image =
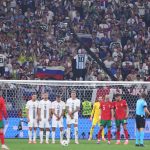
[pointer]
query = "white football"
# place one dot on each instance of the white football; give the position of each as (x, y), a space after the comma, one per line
(64, 143)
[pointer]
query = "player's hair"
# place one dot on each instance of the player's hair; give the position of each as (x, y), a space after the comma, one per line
(143, 95)
(117, 95)
(73, 91)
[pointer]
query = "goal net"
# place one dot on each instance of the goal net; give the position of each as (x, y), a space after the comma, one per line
(17, 93)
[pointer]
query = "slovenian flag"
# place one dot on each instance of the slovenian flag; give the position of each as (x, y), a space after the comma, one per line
(56, 73)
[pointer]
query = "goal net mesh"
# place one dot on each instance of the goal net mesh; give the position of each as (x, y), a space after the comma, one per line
(17, 93)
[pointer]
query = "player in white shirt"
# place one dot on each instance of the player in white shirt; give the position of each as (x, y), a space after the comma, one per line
(44, 114)
(72, 107)
(58, 109)
(32, 116)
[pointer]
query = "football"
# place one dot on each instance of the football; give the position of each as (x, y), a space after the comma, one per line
(64, 143)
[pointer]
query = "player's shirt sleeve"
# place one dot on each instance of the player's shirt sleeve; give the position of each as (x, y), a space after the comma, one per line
(50, 105)
(27, 105)
(40, 105)
(63, 107)
(67, 103)
(78, 103)
(125, 103)
(93, 110)
(144, 104)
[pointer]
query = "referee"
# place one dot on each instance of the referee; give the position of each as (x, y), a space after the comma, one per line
(141, 109)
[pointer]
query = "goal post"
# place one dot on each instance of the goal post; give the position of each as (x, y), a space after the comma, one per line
(18, 92)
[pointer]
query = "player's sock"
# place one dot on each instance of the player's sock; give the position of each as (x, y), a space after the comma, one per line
(30, 135)
(68, 134)
(2, 138)
(103, 136)
(109, 135)
(137, 137)
(34, 135)
(53, 136)
(141, 137)
(47, 136)
(126, 134)
(41, 136)
(61, 136)
(76, 133)
(91, 132)
(99, 134)
(118, 135)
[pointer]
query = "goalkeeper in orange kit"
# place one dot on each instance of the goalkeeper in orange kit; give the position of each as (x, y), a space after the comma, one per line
(95, 116)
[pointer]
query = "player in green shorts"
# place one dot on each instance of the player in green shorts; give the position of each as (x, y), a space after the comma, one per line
(121, 115)
(106, 117)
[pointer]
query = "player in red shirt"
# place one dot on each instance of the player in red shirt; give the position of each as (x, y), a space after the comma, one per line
(121, 115)
(3, 113)
(106, 117)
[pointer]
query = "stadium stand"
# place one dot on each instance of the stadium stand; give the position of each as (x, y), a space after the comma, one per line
(36, 41)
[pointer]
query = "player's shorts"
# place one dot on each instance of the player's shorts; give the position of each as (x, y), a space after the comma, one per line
(119, 122)
(33, 123)
(44, 123)
(72, 121)
(95, 122)
(105, 123)
(1, 124)
(140, 121)
(57, 123)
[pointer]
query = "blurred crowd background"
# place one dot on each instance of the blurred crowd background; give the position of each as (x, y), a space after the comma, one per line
(37, 33)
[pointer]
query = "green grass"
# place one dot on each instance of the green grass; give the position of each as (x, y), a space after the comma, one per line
(22, 144)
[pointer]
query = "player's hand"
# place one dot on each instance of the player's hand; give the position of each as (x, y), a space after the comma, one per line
(91, 118)
(39, 119)
(71, 116)
(70, 113)
(126, 117)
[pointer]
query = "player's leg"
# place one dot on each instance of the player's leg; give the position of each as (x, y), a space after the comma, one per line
(137, 131)
(54, 125)
(61, 129)
(125, 132)
(76, 133)
(61, 134)
(103, 134)
(34, 131)
(68, 129)
(100, 133)
(142, 126)
(47, 126)
(41, 135)
(34, 135)
(53, 135)
(2, 136)
(92, 129)
(118, 131)
(30, 126)
(109, 124)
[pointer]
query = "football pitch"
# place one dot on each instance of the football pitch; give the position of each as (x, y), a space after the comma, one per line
(22, 144)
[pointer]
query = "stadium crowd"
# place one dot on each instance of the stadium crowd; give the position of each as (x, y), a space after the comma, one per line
(37, 33)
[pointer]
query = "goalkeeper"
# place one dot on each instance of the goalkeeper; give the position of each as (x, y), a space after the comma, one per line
(95, 116)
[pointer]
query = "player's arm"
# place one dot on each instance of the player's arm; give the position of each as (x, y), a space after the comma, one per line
(39, 113)
(27, 111)
(127, 110)
(4, 110)
(63, 111)
(77, 108)
(147, 111)
(50, 113)
(92, 113)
